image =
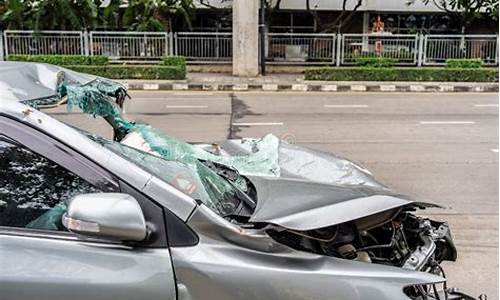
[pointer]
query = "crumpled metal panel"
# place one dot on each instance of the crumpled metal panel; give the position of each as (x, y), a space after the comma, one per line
(300, 162)
(234, 263)
(21, 81)
(303, 205)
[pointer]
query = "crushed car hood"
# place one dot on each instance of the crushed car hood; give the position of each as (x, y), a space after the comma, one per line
(304, 205)
(299, 162)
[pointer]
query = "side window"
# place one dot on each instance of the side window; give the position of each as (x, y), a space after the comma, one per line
(34, 190)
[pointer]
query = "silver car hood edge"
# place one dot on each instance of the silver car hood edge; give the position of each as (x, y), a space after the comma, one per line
(304, 205)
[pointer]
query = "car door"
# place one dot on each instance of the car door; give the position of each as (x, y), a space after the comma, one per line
(39, 259)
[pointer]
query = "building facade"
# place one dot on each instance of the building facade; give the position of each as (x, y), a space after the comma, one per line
(293, 17)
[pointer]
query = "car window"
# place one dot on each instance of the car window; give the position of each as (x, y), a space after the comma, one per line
(34, 190)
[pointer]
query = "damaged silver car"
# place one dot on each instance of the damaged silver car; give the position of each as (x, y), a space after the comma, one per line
(149, 216)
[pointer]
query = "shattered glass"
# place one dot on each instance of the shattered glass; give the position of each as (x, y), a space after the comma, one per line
(190, 176)
(33, 189)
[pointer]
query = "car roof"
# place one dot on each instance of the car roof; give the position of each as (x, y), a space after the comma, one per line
(21, 81)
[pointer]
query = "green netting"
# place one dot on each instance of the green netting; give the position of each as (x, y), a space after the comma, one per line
(262, 162)
(95, 99)
(51, 220)
(40, 102)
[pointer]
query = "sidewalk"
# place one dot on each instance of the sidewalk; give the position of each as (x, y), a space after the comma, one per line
(296, 82)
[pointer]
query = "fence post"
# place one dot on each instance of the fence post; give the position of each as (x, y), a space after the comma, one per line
(334, 46)
(424, 49)
(176, 44)
(217, 47)
(91, 44)
(496, 50)
(1, 46)
(339, 49)
(420, 49)
(86, 43)
(167, 44)
(171, 43)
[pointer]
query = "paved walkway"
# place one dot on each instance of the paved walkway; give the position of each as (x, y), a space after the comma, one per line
(296, 82)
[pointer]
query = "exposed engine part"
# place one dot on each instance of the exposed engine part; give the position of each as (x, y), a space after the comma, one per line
(348, 251)
(401, 240)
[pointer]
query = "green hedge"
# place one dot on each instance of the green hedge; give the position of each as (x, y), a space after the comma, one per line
(375, 62)
(132, 71)
(402, 74)
(475, 63)
(173, 61)
(62, 59)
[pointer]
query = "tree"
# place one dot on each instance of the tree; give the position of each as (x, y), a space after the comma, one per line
(63, 14)
(466, 11)
(141, 15)
(156, 15)
(342, 19)
(12, 14)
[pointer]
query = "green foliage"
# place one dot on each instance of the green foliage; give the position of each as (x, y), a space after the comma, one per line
(62, 59)
(464, 63)
(132, 71)
(178, 61)
(139, 15)
(466, 10)
(63, 14)
(12, 14)
(151, 15)
(375, 62)
(396, 55)
(173, 61)
(402, 74)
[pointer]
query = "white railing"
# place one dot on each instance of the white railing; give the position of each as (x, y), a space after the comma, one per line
(130, 46)
(204, 47)
(301, 48)
(403, 48)
(439, 48)
(43, 42)
(281, 48)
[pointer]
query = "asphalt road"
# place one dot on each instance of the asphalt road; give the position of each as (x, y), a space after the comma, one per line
(435, 147)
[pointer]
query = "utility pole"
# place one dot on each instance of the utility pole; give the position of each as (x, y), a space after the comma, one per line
(262, 30)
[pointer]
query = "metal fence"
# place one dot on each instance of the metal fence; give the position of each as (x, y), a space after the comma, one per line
(281, 48)
(301, 48)
(130, 46)
(43, 42)
(403, 48)
(439, 48)
(204, 47)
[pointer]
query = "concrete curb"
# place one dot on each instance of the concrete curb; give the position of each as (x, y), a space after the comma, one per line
(304, 86)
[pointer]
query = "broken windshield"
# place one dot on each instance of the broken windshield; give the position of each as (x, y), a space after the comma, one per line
(194, 178)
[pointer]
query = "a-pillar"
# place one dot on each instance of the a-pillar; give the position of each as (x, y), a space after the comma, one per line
(245, 38)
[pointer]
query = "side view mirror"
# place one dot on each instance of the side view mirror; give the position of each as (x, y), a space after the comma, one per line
(111, 216)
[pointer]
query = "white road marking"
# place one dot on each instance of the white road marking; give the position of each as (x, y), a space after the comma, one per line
(494, 150)
(447, 122)
(186, 106)
(345, 105)
(259, 124)
(193, 94)
(485, 105)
